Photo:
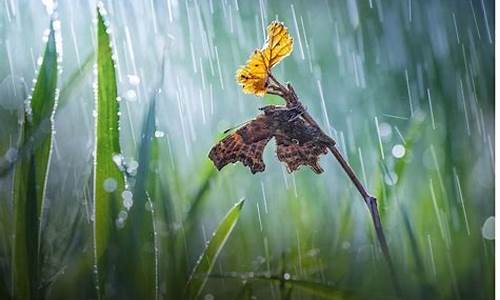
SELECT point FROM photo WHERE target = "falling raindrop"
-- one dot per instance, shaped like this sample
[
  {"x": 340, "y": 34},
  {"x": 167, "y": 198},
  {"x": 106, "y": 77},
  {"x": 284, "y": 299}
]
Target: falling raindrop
[
  {"x": 385, "y": 131},
  {"x": 134, "y": 80},
  {"x": 398, "y": 151},
  {"x": 131, "y": 95}
]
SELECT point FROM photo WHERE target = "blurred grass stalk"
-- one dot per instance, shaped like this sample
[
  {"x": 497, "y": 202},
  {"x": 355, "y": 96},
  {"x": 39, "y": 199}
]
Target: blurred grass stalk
[{"x": 30, "y": 178}]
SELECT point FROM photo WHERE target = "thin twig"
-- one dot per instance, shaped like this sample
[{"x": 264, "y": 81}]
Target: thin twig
[{"x": 292, "y": 100}]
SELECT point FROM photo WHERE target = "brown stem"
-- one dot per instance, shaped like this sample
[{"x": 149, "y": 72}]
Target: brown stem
[
  {"x": 292, "y": 100},
  {"x": 371, "y": 202}
]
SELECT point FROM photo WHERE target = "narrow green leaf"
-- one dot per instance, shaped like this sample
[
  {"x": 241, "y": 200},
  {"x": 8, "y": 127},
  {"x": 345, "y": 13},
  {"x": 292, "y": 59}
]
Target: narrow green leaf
[
  {"x": 30, "y": 177},
  {"x": 322, "y": 290},
  {"x": 138, "y": 234},
  {"x": 75, "y": 80},
  {"x": 208, "y": 174},
  {"x": 108, "y": 178},
  {"x": 205, "y": 263}
]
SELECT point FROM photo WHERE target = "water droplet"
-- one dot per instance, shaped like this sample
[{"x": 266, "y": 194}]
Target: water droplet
[
  {"x": 391, "y": 178},
  {"x": 120, "y": 223},
  {"x": 209, "y": 297},
  {"x": 122, "y": 215},
  {"x": 127, "y": 199},
  {"x": 50, "y": 5},
  {"x": 385, "y": 131},
  {"x": 11, "y": 154},
  {"x": 131, "y": 95},
  {"x": 110, "y": 185},
  {"x": 132, "y": 168},
  {"x": 56, "y": 24},
  {"x": 159, "y": 133},
  {"x": 488, "y": 229},
  {"x": 148, "y": 206},
  {"x": 118, "y": 160},
  {"x": 286, "y": 276},
  {"x": 134, "y": 79},
  {"x": 346, "y": 245},
  {"x": 398, "y": 151},
  {"x": 313, "y": 252}
]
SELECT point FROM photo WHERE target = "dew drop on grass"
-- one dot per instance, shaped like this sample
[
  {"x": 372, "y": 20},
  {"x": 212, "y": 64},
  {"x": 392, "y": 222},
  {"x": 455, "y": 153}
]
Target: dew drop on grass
[
  {"x": 56, "y": 24},
  {"x": 398, "y": 151},
  {"x": 286, "y": 276},
  {"x": 110, "y": 185},
  {"x": 120, "y": 223},
  {"x": 118, "y": 160},
  {"x": 50, "y": 5},
  {"x": 132, "y": 168},
  {"x": 127, "y": 199},
  {"x": 159, "y": 134},
  {"x": 123, "y": 215},
  {"x": 488, "y": 229},
  {"x": 11, "y": 154}
]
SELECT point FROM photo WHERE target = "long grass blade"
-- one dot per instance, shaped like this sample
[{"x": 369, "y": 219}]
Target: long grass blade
[
  {"x": 138, "y": 235},
  {"x": 75, "y": 80},
  {"x": 31, "y": 175},
  {"x": 108, "y": 178},
  {"x": 206, "y": 262},
  {"x": 318, "y": 289}
]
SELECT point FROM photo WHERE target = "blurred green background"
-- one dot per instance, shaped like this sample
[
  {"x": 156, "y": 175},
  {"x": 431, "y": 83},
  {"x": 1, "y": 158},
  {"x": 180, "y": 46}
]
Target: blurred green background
[{"x": 406, "y": 88}]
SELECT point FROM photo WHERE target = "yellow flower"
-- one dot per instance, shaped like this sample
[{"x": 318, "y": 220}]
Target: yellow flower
[{"x": 253, "y": 76}]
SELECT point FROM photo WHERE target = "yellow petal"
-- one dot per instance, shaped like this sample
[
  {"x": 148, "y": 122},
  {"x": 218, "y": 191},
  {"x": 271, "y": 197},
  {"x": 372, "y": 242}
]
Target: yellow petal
[{"x": 253, "y": 75}]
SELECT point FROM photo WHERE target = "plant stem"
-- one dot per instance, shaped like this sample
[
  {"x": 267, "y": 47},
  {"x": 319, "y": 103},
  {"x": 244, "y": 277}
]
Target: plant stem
[{"x": 292, "y": 100}]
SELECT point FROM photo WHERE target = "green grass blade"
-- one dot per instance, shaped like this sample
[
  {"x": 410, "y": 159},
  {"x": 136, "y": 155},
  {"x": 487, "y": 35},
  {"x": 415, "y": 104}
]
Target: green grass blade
[
  {"x": 138, "y": 233},
  {"x": 205, "y": 263},
  {"x": 75, "y": 80},
  {"x": 108, "y": 178},
  {"x": 208, "y": 175},
  {"x": 318, "y": 289},
  {"x": 31, "y": 176}
]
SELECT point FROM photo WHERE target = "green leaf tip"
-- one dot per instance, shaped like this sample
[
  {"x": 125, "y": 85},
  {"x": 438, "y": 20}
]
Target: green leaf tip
[{"x": 205, "y": 263}]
